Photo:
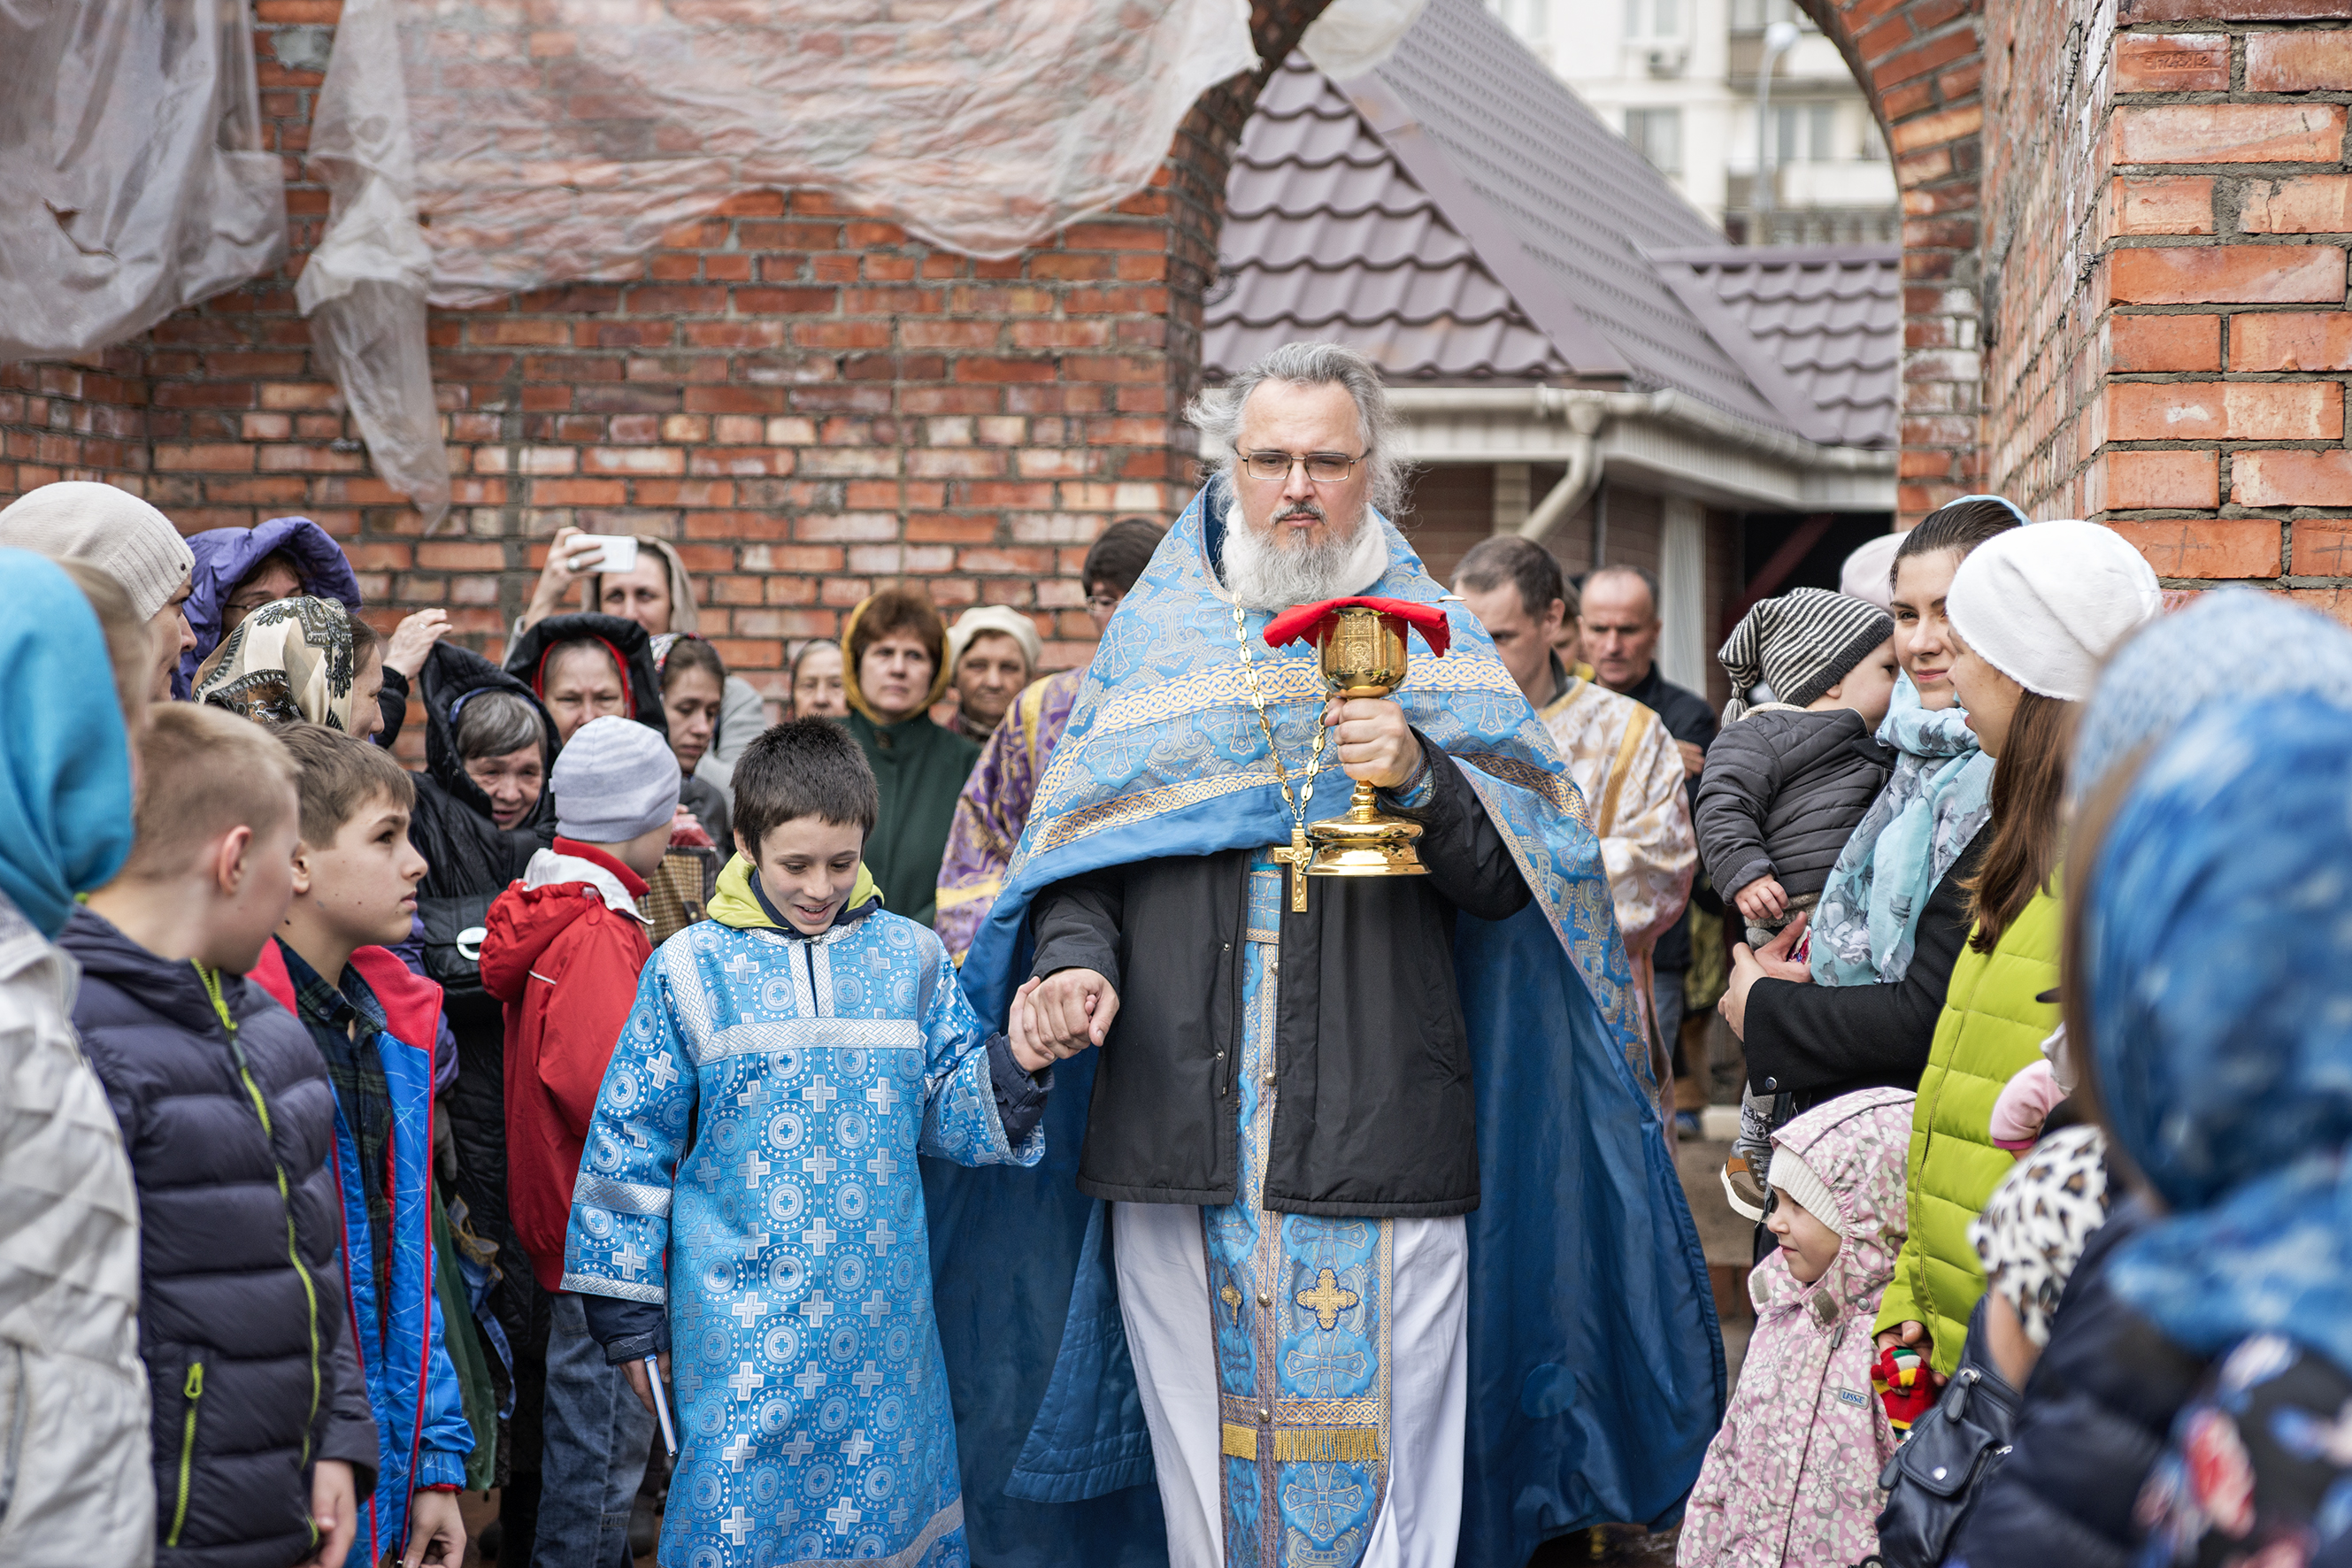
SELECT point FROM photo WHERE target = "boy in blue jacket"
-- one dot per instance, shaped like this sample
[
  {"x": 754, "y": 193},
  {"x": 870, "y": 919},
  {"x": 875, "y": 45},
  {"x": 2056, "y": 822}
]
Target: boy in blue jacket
[
  {"x": 355, "y": 880},
  {"x": 749, "y": 1187}
]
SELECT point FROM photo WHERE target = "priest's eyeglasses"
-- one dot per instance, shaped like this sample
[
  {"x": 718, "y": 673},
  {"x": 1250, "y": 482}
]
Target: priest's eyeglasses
[{"x": 1322, "y": 467}]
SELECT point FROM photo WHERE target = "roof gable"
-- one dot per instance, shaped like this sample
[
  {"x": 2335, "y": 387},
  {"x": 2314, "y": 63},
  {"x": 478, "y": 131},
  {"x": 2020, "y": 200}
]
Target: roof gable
[{"x": 1461, "y": 216}]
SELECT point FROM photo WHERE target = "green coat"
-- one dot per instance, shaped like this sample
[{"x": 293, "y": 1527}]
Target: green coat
[
  {"x": 920, "y": 769},
  {"x": 1992, "y": 1026}
]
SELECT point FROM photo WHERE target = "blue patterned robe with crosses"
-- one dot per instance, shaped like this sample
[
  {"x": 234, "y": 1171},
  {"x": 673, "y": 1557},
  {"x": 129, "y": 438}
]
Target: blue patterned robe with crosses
[{"x": 751, "y": 1164}]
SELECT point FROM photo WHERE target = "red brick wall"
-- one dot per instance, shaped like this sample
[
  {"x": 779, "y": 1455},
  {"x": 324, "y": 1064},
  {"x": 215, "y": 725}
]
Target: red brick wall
[
  {"x": 2216, "y": 437},
  {"x": 2126, "y": 242},
  {"x": 808, "y": 401},
  {"x": 1922, "y": 64}
]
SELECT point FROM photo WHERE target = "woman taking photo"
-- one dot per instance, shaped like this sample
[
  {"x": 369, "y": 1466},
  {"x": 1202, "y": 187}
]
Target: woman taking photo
[{"x": 2032, "y": 613}]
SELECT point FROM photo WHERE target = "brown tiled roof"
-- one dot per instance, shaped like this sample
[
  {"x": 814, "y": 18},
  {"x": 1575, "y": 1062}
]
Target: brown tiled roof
[
  {"x": 1819, "y": 329},
  {"x": 1463, "y": 217},
  {"x": 1326, "y": 237}
]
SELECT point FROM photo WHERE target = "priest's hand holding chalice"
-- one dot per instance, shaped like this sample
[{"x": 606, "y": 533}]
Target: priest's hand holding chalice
[{"x": 1361, "y": 645}]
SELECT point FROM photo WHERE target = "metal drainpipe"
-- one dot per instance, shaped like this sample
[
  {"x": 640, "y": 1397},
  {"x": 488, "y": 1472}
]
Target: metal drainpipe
[{"x": 1778, "y": 39}]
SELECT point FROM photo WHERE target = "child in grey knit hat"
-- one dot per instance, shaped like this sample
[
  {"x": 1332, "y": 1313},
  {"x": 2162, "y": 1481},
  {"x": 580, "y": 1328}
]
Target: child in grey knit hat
[{"x": 1787, "y": 781}]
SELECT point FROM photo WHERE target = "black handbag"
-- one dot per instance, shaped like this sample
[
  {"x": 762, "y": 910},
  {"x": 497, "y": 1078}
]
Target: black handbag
[
  {"x": 1936, "y": 1473},
  {"x": 453, "y": 929}
]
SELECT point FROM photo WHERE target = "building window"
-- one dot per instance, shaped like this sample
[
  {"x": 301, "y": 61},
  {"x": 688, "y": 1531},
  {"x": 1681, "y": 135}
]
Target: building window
[
  {"x": 1874, "y": 140},
  {"x": 1654, "y": 19},
  {"x": 1526, "y": 17},
  {"x": 1657, "y": 135},
  {"x": 1803, "y": 133},
  {"x": 1755, "y": 15}
]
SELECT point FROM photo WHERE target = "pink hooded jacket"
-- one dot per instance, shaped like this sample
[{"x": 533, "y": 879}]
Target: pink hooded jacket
[{"x": 1792, "y": 1477}]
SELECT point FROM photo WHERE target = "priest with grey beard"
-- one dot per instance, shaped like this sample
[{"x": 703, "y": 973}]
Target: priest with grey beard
[{"x": 1282, "y": 1114}]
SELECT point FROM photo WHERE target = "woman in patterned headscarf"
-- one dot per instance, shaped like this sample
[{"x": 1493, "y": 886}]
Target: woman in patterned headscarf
[{"x": 296, "y": 660}]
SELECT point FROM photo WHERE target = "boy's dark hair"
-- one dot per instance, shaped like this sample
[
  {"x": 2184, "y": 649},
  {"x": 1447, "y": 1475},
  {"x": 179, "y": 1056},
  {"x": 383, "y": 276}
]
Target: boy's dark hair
[
  {"x": 1118, "y": 556},
  {"x": 802, "y": 767},
  {"x": 1525, "y": 564},
  {"x": 1962, "y": 525},
  {"x": 693, "y": 653},
  {"x": 901, "y": 610},
  {"x": 341, "y": 773}
]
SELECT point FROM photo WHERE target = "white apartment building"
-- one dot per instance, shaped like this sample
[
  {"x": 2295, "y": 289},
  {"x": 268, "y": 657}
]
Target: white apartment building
[{"x": 1681, "y": 79}]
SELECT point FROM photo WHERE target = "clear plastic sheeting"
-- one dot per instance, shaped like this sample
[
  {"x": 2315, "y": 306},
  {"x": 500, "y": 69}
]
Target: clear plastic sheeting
[
  {"x": 477, "y": 148},
  {"x": 132, "y": 177},
  {"x": 1354, "y": 37},
  {"x": 364, "y": 287}
]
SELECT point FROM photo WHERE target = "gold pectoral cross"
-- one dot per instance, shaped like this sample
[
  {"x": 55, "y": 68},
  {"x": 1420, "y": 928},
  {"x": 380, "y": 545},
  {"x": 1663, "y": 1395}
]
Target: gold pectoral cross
[{"x": 1297, "y": 858}]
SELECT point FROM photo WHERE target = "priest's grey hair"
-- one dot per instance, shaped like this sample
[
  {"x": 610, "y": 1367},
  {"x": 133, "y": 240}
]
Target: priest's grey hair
[{"x": 1217, "y": 412}]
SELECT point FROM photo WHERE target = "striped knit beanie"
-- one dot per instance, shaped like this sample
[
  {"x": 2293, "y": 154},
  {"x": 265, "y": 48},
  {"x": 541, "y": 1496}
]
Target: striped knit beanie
[
  {"x": 1799, "y": 644},
  {"x": 110, "y": 529}
]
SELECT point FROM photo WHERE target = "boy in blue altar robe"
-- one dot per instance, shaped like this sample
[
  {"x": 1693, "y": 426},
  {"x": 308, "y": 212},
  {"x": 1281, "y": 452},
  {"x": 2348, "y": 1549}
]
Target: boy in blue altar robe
[{"x": 749, "y": 1202}]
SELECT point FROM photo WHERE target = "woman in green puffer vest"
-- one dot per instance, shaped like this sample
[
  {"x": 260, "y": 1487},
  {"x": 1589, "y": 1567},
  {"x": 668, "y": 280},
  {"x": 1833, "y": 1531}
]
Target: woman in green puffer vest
[{"x": 2033, "y": 613}]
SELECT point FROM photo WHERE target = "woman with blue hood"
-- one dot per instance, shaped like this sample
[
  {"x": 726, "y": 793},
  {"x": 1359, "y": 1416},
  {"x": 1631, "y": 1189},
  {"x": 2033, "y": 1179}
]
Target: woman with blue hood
[
  {"x": 2219, "y": 965},
  {"x": 2208, "y": 787},
  {"x": 76, "y": 1409}
]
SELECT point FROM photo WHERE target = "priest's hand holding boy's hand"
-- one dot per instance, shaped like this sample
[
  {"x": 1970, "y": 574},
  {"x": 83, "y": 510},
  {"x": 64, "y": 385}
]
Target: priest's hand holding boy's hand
[{"x": 1059, "y": 1016}]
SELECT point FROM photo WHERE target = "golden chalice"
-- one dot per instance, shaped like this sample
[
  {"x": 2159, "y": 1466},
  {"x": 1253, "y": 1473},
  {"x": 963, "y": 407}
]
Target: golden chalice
[{"x": 1364, "y": 654}]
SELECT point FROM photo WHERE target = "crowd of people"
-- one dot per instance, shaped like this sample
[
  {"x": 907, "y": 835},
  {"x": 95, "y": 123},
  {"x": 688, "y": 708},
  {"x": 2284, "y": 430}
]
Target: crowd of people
[{"x": 952, "y": 1124}]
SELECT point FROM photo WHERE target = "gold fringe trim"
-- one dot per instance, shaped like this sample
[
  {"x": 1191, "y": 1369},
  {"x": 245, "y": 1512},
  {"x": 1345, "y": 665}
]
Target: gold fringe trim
[
  {"x": 1326, "y": 1445},
  {"x": 1240, "y": 1442}
]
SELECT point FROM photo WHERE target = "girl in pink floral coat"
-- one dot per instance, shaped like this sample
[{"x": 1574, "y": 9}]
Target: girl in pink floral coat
[{"x": 1792, "y": 1477}]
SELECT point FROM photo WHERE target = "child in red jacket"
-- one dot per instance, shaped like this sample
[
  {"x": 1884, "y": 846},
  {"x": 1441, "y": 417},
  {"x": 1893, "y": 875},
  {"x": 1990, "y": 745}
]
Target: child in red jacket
[{"x": 562, "y": 952}]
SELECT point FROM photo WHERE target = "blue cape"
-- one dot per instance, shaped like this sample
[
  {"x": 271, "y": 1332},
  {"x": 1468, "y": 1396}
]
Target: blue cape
[{"x": 1596, "y": 1365}]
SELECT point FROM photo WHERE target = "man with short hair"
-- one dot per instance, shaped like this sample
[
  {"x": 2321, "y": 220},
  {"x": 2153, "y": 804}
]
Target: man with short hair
[
  {"x": 1323, "y": 1103},
  {"x": 1620, "y": 639},
  {"x": 1624, "y": 763}
]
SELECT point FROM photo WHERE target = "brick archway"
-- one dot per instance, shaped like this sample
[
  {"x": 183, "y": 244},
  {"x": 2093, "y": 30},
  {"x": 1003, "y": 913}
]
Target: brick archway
[{"x": 1922, "y": 64}]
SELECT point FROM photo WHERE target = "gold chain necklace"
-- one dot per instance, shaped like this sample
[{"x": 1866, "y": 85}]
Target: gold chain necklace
[{"x": 1297, "y": 855}]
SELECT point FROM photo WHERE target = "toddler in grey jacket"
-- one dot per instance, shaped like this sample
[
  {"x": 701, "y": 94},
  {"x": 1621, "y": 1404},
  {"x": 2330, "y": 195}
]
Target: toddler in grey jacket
[{"x": 1787, "y": 781}]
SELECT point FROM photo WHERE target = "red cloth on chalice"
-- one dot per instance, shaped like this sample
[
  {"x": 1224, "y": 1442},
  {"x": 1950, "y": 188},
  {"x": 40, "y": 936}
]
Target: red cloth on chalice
[{"x": 1293, "y": 624}]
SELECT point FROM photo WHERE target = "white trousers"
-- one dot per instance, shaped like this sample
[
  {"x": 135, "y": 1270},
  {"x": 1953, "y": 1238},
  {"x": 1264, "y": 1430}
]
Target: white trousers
[{"x": 1163, "y": 1291}]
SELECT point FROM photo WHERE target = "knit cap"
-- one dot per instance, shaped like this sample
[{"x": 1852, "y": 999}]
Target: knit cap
[
  {"x": 2046, "y": 605},
  {"x": 110, "y": 529},
  {"x": 614, "y": 779},
  {"x": 994, "y": 618},
  {"x": 1803, "y": 1183},
  {"x": 1800, "y": 645}
]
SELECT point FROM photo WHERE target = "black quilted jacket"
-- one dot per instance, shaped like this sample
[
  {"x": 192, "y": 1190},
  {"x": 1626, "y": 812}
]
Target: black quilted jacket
[
  {"x": 2098, "y": 1409},
  {"x": 1782, "y": 791},
  {"x": 241, "y": 1306}
]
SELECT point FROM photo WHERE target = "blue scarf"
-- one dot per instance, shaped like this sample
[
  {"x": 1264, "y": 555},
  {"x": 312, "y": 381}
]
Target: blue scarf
[
  {"x": 2219, "y": 957},
  {"x": 1867, "y": 922},
  {"x": 65, "y": 773}
]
